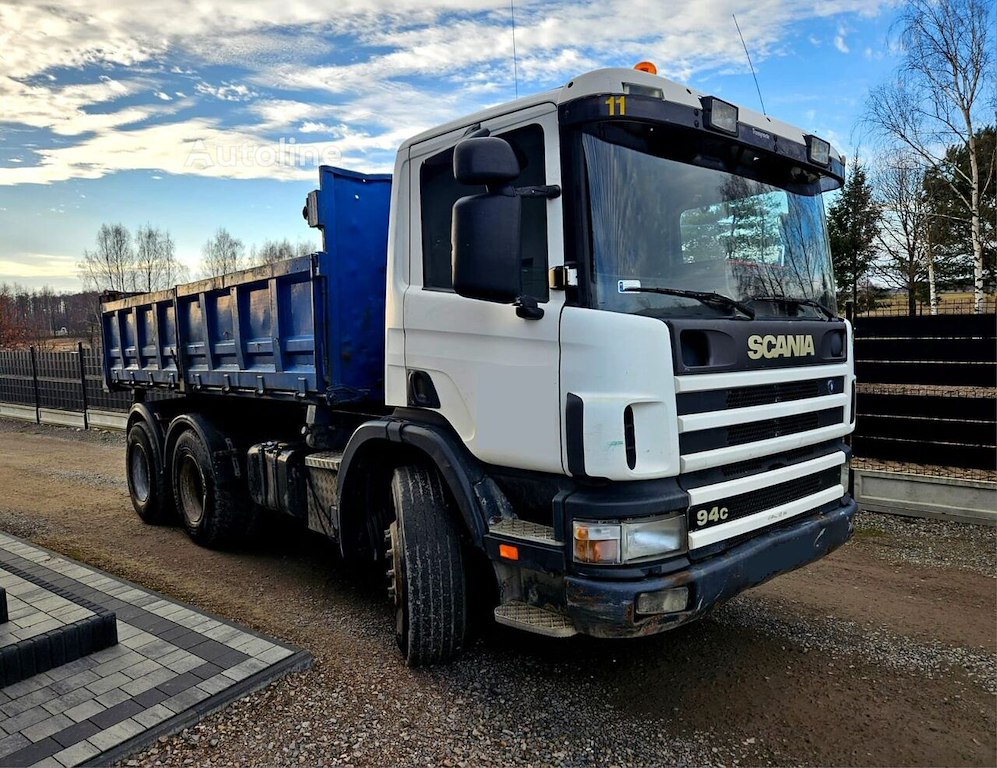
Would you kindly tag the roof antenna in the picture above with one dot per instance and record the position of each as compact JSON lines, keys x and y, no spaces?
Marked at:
{"x":750,"y":65}
{"x":515,"y":65}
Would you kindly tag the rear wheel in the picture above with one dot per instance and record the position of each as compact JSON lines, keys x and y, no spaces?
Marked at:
{"x":147,"y":485}
{"x":208,"y":495}
{"x":426,"y":571}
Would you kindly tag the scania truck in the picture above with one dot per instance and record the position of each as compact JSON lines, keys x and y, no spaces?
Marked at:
{"x":582,"y":347}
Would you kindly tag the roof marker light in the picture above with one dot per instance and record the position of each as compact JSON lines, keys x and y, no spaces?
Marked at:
{"x":646,"y":66}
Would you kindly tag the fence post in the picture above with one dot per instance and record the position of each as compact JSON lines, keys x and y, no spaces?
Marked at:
{"x":34,"y":381}
{"x":83,"y":384}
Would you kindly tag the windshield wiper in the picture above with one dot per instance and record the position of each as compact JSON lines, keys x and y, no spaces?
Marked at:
{"x":716,"y":299}
{"x":798,"y":302}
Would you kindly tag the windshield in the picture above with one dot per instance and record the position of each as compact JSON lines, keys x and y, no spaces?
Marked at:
{"x":685,"y":213}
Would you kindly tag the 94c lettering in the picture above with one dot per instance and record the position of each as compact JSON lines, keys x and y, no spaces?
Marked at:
{"x":714,"y":515}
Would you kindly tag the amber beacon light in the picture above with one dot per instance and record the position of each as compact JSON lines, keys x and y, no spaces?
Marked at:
{"x":647,"y":66}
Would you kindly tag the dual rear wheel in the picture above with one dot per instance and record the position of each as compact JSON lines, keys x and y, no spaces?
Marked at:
{"x":205,"y":492}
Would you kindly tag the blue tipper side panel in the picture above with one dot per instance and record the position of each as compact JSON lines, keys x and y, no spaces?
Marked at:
{"x":309,"y":329}
{"x":353,"y":215}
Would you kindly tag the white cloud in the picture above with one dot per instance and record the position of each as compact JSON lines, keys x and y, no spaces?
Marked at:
{"x":362,"y":74}
{"x":226,"y":91}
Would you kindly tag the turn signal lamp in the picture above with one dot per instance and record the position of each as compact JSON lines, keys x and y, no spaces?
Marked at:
{"x":646,"y":66}
{"x":628,"y":542}
{"x":508,"y":552}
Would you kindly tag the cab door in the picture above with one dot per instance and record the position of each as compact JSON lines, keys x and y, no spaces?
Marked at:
{"x":495,"y":374}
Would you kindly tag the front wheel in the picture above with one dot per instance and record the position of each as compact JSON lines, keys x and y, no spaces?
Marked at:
{"x":427,"y":569}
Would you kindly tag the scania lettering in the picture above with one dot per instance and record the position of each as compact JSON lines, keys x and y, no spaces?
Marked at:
{"x":780,"y":346}
{"x":578,"y":355}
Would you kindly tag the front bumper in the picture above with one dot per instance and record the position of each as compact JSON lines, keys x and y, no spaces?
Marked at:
{"x":608,"y":608}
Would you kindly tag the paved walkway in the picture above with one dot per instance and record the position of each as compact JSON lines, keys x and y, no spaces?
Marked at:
{"x":170,"y":667}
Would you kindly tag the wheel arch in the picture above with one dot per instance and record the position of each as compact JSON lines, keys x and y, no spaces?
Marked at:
{"x":377,"y":447}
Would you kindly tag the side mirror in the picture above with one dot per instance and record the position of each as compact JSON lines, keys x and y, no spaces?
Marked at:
{"x":485,"y":160}
{"x":486,"y":227}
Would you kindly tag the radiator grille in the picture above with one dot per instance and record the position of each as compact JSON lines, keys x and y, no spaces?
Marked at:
{"x":754,"y":431}
{"x":750,"y":503}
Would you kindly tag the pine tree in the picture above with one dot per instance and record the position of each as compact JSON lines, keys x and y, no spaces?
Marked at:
{"x":853,"y":223}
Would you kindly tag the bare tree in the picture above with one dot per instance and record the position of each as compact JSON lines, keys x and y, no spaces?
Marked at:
{"x":156,"y":263}
{"x":222,"y":253}
{"x":109,"y":266}
{"x":904,"y":256}
{"x":945,"y":79}
{"x":277,"y":250}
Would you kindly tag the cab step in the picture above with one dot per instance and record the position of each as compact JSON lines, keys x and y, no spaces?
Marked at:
{"x":533,"y":619}
{"x":523,"y":529}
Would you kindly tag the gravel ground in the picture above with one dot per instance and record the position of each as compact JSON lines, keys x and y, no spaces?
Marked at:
{"x":911,"y":540}
{"x":883,"y":653}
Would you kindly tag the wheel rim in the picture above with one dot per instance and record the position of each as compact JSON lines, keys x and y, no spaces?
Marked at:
{"x":191,"y":484}
{"x":139,"y":473}
{"x":396,"y":584}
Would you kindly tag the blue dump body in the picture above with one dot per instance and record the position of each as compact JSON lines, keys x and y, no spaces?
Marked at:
{"x":309,"y":329}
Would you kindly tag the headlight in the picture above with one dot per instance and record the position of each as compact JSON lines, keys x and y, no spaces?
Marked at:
{"x":628,"y":542}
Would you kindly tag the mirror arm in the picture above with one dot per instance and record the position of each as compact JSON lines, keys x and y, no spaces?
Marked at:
{"x":549,"y":191}
{"x":527,"y":308}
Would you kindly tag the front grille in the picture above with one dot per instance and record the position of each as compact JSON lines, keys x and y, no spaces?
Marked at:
{"x":761,"y":394}
{"x":750,"y":503}
{"x":766,"y":394}
{"x":754,"y":431}
{"x":753,"y":466}
{"x":763,"y":430}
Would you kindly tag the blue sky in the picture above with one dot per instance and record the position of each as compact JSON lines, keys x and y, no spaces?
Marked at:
{"x":191,"y":116}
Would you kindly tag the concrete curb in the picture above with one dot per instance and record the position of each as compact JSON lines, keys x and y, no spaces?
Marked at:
{"x":925,"y":496}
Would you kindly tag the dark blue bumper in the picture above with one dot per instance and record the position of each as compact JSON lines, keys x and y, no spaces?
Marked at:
{"x":608,"y":608}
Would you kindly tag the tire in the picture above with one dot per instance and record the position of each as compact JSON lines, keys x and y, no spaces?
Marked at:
{"x":426,"y":569}
{"x":208,"y":494}
{"x":147,"y":484}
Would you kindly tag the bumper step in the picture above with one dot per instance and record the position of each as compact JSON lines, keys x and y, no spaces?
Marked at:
{"x":533,"y":619}
{"x":525,"y":530}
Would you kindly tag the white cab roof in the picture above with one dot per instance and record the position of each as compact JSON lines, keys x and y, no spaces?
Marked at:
{"x":612,"y":81}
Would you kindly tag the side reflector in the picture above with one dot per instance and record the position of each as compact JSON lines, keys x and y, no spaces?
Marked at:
{"x":508,"y":551}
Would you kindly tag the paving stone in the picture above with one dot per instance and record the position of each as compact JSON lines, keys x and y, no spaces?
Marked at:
{"x":117,"y":713}
{"x":216,"y":684}
{"x":85,"y":710}
{"x":46,"y":728}
{"x":10,"y":744}
{"x":143,"y":667}
{"x":68,"y":700}
{"x":76,"y":754}
{"x":186,"y":699}
{"x":274,"y":655}
{"x":105,"y":684}
{"x":154,"y":715}
{"x":48,"y":762}
{"x":26,"y":719}
{"x":75,"y":733}
{"x":79,"y":680}
{"x":32,"y":753}
{"x":112,"y":698}
{"x":116,"y":734}
{"x":151,"y":680}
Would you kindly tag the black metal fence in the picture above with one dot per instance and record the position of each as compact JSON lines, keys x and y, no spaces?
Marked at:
{"x":927,"y":395}
{"x":64,"y":381}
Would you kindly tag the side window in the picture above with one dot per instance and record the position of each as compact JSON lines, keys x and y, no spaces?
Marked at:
{"x":439,"y":191}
